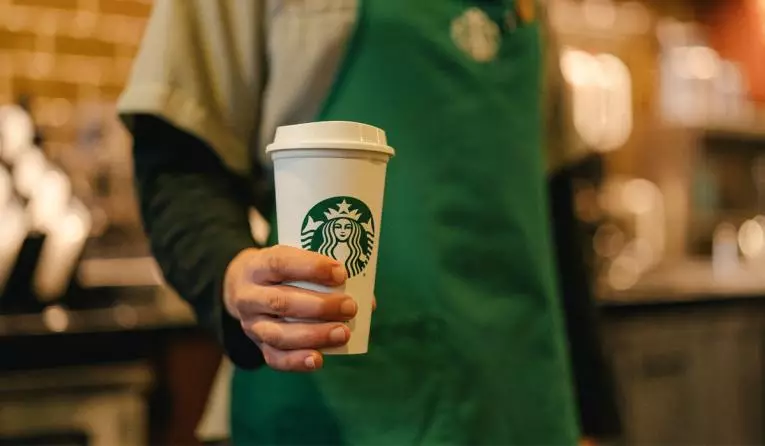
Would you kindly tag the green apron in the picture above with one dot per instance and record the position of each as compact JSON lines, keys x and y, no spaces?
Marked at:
{"x":466,"y":345}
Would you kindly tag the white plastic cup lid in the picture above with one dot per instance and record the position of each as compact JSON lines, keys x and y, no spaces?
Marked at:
{"x":341,"y":135}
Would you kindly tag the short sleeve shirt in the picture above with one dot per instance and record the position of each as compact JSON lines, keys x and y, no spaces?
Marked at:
{"x":231,"y":71}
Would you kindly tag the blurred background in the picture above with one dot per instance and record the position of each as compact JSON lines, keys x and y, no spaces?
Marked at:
{"x":667,"y":96}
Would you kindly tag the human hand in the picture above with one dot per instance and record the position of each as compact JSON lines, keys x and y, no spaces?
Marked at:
{"x":255,"y":295}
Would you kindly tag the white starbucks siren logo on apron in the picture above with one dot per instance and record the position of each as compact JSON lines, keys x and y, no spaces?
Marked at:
{"x":341,"y":228}
{"x":476,"y":34}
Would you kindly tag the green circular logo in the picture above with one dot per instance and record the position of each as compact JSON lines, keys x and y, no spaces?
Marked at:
{"x":341,"y":228}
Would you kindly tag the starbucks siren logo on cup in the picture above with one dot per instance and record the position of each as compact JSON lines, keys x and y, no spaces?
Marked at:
{"x":330,"y":180}
{"x":341,"y":228}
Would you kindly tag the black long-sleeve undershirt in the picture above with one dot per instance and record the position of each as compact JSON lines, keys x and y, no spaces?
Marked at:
{"x":195,"y":212}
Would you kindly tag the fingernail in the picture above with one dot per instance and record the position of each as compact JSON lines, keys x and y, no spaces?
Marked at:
{"x":310,"y":362}
{"x":338,"y":335}
{"x":338,"y":273}
{"x":348,"y":307}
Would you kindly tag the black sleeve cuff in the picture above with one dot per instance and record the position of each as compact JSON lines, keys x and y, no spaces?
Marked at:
{"x":239,"y":348}
{"x":212,"y":315}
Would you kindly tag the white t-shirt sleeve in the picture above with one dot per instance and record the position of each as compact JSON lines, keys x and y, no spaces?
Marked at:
{"x":200,"y":68}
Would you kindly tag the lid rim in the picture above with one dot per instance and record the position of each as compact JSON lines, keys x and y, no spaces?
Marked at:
{"x":332,"y":145}
{"x":330,"y":135}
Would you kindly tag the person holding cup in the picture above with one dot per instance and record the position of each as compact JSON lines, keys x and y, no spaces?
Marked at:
{"x":467,"y":346}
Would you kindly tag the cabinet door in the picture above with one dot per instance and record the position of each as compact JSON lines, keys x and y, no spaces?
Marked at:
{"x":690,"y":379}
{"x":730,"y":375}
{"x":659,"y":399}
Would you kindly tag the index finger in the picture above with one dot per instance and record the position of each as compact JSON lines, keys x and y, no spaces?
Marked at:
{"x":285,"y":264}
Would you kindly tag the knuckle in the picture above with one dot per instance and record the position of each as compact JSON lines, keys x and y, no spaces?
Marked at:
{"x":272,"y":360}
{"x":269,"y":354}
{"x":252,"y":331}
{"x":240,"y":304}
{"x":271,"y":336}
{"x":248,"y":330}
{"x":275,"y":260}
{"x":278,"y":303}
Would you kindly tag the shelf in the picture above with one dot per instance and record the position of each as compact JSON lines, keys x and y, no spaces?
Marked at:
{"x":691,"y":281}
{"x":164,"y":310}
{"x":753,"y":131}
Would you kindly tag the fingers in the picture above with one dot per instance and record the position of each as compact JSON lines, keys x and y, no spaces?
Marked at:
{"x":284,"y":264}
{"x":292,"y":346}
{"x":287,"y":301}
{"x":292,"y":360}
{"x":255,"y":295}
{"x":297,"y":335}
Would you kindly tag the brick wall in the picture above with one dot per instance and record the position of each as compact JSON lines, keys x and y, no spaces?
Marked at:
{"x":65,"y":52}
{"x":72,"y":57}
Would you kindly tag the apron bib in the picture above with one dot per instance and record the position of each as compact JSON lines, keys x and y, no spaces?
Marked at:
{"x":466,"y":345}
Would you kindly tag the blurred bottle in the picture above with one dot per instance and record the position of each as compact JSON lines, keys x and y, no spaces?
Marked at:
{"x":17,"y":253}
{"x":16,"y":132}
{"x":13,"y":227}
{"x":725,"y":260}
{"x":698,"y":88}
{"x":631,"y":241}
{"x":43,"y":228}
{"x":751,"y":240}
{"x":61,"y":252}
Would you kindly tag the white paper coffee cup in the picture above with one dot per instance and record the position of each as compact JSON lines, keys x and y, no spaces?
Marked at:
{"x":330,"y":179}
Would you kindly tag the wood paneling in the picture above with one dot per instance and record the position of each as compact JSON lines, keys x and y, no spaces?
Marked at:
{"x":75,"y":50}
